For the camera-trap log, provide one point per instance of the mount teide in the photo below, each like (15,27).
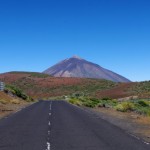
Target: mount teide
(78,67)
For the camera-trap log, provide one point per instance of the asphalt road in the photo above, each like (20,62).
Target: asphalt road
(57,125)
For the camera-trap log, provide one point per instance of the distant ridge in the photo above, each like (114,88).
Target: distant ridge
(78,67)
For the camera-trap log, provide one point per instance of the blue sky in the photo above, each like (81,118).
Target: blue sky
(35,34)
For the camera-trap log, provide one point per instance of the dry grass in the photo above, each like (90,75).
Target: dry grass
(6,99)
(2,101)
(4,96)
(144,120)
(15,101)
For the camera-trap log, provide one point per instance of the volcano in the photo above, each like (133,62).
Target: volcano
(81,68)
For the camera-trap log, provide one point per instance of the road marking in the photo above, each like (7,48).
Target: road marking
(49,132)
(146,143)
(50,105)
(48,146)
(49,123)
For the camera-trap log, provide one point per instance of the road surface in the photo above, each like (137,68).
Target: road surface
(57,125)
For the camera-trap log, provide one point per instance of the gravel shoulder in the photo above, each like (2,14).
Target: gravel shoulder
(8,109)
(134,124)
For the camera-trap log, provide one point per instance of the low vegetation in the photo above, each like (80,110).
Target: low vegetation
(3,101)
(15,101)
(142,89)
(32,74)
(38,85)
(17,92)
(13,95)
(141,106)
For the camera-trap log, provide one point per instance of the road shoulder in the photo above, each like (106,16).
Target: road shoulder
(8,109)
(134,124)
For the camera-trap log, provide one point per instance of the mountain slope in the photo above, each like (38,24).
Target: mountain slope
(38,86)
(78,67)
(41,86)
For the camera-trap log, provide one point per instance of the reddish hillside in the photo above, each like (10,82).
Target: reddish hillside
(122,90)
(39,85)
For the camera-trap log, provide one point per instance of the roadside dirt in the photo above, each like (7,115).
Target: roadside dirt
(8,109)
(134,124)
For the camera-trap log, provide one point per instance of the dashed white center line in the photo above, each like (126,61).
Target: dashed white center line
(48,146)
(49,124)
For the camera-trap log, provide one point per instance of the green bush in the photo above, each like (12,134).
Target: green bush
(84,101)
(143,103)
(90,104)
(125,106)
(138,106)
(120,107)
(18,92)
(106,98)
(108,103)
(94,100)
(75,101)
(143,111)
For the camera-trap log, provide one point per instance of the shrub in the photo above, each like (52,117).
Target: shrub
(143,103)
(125,106)
(75,101)
(90,104)
(108,103)
(18,92)
(114,102)
(120,107)
(94,100)
(106,98)
(144,111)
